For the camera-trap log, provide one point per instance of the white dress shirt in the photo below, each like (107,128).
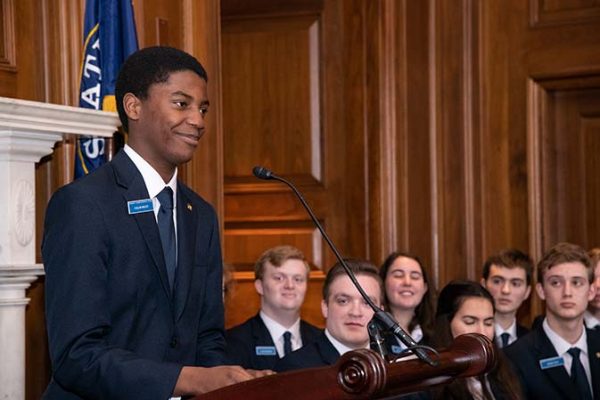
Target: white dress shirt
(276,330)
(562,346)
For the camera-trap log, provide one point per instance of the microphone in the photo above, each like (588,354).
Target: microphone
(262,173)
(377,341)
(384,318)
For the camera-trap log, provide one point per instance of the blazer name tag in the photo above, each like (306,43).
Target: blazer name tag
(139,206)
(552,362)
(396,349)
(265,351)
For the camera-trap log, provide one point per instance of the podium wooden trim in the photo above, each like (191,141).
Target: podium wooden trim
(364,374)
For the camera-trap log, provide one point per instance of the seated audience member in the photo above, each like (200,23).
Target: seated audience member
(410,297)
(507,276)
(347,315)
(467,307)
(281,279)
(592,314)
(560,359)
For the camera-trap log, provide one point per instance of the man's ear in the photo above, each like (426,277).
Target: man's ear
(527,292)
(324,309)
(258,286)
(132,106)
(540,291)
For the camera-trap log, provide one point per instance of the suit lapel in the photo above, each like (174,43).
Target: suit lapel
(128,176)
(557,375)
(329,354)
(187,222)
(262,337)
(593,340)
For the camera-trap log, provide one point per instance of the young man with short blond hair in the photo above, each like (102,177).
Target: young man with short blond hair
(281,280)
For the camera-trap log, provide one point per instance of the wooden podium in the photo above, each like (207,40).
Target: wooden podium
(364,374)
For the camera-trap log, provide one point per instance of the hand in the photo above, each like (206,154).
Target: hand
(198,380)
(260,373)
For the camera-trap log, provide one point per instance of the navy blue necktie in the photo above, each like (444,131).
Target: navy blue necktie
(505,337)
(166,227)
(578,376)
(287,343)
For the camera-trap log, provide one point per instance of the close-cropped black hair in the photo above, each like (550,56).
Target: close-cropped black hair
(148,66)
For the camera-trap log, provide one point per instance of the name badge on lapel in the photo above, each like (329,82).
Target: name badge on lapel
(265,351)
(552,362)
(139,206)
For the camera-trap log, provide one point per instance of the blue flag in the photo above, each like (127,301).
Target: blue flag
(109,37)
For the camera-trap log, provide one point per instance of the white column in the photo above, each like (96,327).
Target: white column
(28,131)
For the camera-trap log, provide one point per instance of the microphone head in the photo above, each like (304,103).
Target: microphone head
(262,173)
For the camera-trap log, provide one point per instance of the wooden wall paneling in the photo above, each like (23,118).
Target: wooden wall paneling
(380,53)
(160,22)
(201,24)
(289,105)
(19,63)
(61,49)
(503,142)
(8,60)
(450,140)
(417,210)
(560,12)
(591,131)
(563,65)
(271,110)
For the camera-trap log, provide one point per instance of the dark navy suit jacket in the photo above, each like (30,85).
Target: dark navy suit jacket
(316,354)
(521,331)
(243,339)
(552,383)
(115,329)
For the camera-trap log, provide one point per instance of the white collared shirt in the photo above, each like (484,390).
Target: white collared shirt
(416,334)
(154,182)
(562,346)
(276,330)
(339,346)
(512,333)
(591,322)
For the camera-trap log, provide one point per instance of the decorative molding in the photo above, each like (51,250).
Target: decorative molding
(562,13)
(23,211)
(8,60)
(29,130)
(535,115)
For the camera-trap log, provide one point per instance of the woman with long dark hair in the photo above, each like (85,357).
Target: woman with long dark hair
(467,307)
(409,296)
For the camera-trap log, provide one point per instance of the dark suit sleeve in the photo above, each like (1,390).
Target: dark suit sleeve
(211,339)
(237,350)
(76,255)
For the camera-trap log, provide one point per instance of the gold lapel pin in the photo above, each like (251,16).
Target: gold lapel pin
(598,355)
(189,206)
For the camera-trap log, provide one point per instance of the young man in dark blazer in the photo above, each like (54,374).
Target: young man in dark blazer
(346,314)
(132,256)
(507,276)
(560,358)
(281,281)
(592,315)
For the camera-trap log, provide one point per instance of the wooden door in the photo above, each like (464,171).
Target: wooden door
(287,104)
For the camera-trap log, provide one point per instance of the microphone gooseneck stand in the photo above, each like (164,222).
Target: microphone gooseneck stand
(383,318)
